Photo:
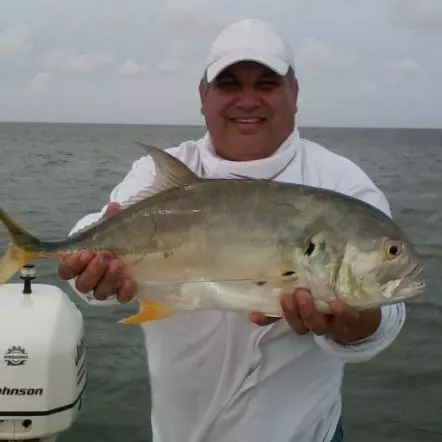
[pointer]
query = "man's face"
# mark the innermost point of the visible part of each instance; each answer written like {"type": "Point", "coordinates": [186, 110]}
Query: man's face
{"type": "Point", "coordinates": [249, 111]}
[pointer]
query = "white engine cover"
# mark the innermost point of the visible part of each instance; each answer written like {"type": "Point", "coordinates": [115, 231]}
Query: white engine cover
{"type": "Point", "coordinates": [42, 361]}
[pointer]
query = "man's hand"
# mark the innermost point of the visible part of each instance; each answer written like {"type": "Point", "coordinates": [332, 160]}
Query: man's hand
{"type": "Point", "coordinates": [101, 273]}
{"type": "Point", "coordinates": [344, 325]}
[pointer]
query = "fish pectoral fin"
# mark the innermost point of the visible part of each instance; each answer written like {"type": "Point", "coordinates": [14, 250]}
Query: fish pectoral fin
{"type": "Point", "coordinates": [149, 311]}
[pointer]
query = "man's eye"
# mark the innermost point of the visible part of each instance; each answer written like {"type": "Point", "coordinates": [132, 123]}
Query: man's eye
{"type": "Point", "coordinates": [268, 84]}
{"type": "Point", "coordinates": [227, 85]}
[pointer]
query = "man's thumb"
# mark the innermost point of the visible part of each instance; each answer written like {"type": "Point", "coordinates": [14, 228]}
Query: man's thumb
{"type": "Point", "coordinates": [112, 209]}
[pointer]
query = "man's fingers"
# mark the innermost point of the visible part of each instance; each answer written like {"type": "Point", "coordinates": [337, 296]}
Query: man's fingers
{"type": "Point", "coordinates": [290, 309]}
{"type": "Point", "coordinates": [345, 317]}
{"type": "Point", "coordinates": [92, 275]}
{"type": "Point", "coordinates": [309, 315]}
{"type": "Point", "coordinates": [347, 325]}
{"type": "Point", "coordinates": [111, 279]}
{"type": "Point", "coordinates": [73, 265]}
{"type": "Point", "coordinates": [126, 291]}
{"type": "Point", "coordinates": [260, 319]}
{"type": "Point", "coordinates": [101, 274]}
{"type": "Point", "coordinates": [112, 209]}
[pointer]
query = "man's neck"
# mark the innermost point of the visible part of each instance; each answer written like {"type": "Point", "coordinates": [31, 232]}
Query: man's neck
{"type": "Point", "coordinates": [267, 167]}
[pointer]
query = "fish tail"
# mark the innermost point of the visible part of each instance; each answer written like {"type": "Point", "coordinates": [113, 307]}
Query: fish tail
{"type": "Point", "coordinates": [23, 249]}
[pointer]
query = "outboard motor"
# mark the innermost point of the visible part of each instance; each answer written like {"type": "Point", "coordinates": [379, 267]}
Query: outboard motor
{"type": "Point", "coordinates": [42, 360]}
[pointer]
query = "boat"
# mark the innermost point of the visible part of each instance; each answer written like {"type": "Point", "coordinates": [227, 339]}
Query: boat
{"type": "Point", "coordinates": [43, 369]}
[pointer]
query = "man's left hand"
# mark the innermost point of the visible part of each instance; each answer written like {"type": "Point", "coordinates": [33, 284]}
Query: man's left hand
{"type": "Point", "coordinates": [343, 325]}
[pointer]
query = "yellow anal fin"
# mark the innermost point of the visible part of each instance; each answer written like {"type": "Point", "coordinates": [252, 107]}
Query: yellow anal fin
{"type": "Point", "coordinates": [149, 311]}
{"type": "Point", "coordinates": [14, 259]}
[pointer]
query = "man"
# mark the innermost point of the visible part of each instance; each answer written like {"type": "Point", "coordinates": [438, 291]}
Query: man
{"type": "Point", "coordinates": [216, 376]}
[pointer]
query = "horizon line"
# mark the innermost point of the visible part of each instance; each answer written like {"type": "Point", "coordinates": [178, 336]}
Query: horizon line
{"type": "Point", "coordinates": [306, 126]}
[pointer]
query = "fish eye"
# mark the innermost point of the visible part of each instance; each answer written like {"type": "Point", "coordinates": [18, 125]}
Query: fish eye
{"type": "Point", "coordinates": [393, 250]}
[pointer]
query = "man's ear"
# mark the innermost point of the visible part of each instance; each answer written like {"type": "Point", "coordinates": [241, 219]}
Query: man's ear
{"type": "Point", "coordinates": [202, 89]}
{"type": "Point", "coordinates": [294, 86]}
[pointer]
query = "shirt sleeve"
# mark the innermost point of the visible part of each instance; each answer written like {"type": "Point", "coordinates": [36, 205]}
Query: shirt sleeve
{"type": "Point", "coordinates": [139, 176]}
{"type": "Point", "coordinates": [359, 185]}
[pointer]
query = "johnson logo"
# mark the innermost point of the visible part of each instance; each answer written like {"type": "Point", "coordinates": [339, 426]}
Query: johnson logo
{"type": "Point", "coordinates": [15, 356]}
{"type": "Point", "coordinates": [7, 391]}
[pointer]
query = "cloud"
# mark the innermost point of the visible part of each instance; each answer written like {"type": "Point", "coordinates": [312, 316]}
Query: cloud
{"type": "Point", "coordinates": [416, 14]}
{"type": "Point", "coordinates": [358, 62]}
{"type": "Point", "coordinates": [406, 69]}
{"type": "Point", "coordinates": [15, 42]}
{"type": "Point", "coordinates": [40, 81]}
{"type": "Point", "coordinates": [315, 55]}
{"type": "Point", "coordinates": [169, 65]}
{"type": "Point", "coordinates": [114, 16]}
{"type": "Point", "coordinates": [131, 67]}
{"type": "Point", "coordinates": [187, 29]}
{"type": "Point", "coordinates": [194, 18]}
{"type": "Point", "coordinates": [368, 88]}
{"type": "Point", "coordinates": [64, 61]}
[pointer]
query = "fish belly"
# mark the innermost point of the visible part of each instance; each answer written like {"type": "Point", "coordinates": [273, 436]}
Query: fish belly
{"type": "Point", "coordinates": [197, 276]}
{"type": "Point", "coordinates": [207, 295]}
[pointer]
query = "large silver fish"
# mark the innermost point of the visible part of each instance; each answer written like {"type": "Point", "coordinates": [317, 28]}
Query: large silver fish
{"type": "Point", "coordinates": [238, 244]}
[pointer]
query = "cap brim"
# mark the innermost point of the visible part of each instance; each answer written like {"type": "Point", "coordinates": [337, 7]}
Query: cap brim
{"type": "Point", "coordinates": [275, 64]}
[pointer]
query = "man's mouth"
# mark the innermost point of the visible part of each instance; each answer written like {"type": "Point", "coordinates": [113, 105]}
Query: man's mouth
{"type": "Point", "coordinates": [254, 120]}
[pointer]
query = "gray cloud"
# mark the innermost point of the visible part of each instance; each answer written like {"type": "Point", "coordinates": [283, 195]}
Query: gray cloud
{"type": "Point", "coordinates": [314, 55]}
{"type": "Point", "coordinates": [132, 67]}
{"type": "Point", "coordinates": [64, 61]}
{"type": "Point", "coordinates": [416, 14]}
{"type": "Point", "coordinates": [364, 63]}
{"type": "Point", "coordinates": [15, 43]}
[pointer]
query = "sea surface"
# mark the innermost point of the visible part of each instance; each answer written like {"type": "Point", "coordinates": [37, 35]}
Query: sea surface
{"type": "Point", "coordinates": [52, 174]}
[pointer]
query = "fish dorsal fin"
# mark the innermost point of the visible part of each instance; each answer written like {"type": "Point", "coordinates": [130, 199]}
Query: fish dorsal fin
{"type": "Point", "coordinates": [170, 173]}
{"type": "Point", "coordinates": [142, 194]}
{"type": "Point", "coordinates": [237, 176]}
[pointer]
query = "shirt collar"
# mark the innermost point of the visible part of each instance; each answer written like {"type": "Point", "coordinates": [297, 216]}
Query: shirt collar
{"type": "Point", "coordinates": [213, 166]}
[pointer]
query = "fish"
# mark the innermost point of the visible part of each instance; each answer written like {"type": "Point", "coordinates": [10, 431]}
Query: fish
{"type": "Point", "coordinates": [238, 244]}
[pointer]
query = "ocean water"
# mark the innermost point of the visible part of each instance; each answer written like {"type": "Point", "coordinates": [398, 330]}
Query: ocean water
{"type": "Point", "coordinates": [52, 174]}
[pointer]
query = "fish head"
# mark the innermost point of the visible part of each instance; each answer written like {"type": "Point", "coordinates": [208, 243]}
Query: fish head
{"type": "Point", "coordinates": [379, 270]}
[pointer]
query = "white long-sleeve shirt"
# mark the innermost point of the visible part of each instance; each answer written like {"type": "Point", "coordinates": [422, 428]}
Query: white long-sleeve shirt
{"type": "Point", "coordinates": [217, 377]}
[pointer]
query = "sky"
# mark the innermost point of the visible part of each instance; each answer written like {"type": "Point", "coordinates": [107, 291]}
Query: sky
{"type": "Point", "coordinates": [366, 63]}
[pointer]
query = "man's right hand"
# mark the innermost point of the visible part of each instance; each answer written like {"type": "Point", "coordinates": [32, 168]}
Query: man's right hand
{"type": "Point", "coordinates": [100, 273]}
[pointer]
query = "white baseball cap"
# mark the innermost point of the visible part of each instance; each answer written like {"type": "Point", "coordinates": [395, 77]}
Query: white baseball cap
{"type": "Point", "coordinates": [252, 40]}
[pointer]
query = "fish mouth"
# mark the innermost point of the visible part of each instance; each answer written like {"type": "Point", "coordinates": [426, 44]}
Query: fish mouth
{"type": "Point", "coordinates": [407, 287]}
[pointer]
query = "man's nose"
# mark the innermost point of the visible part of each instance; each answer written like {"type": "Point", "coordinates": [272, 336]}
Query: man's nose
{"type": "Point", "coordinates": [248, 100]}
